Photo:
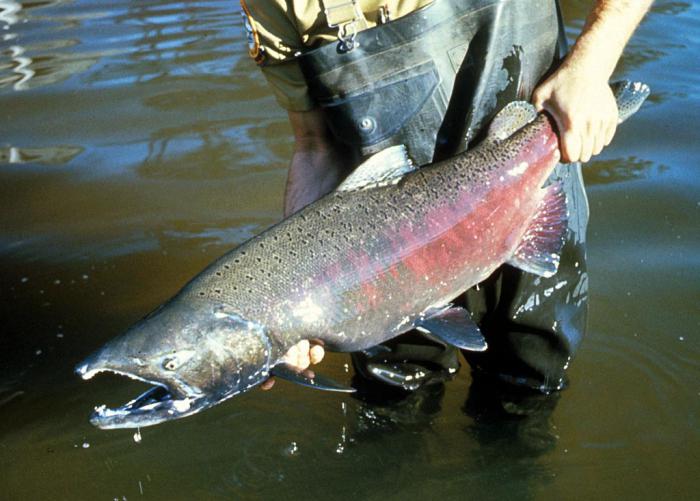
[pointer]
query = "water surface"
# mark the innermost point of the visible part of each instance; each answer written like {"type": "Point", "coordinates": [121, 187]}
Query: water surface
{"type": "Point", "coordinates": [138, 143]}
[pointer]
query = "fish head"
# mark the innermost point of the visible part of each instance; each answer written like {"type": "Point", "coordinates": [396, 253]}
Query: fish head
{"type": "Point", "coordinates": [195, 354]}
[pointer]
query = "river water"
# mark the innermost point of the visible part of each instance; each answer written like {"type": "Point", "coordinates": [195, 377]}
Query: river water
{"type": "Point", "coordinates": [138, 142]}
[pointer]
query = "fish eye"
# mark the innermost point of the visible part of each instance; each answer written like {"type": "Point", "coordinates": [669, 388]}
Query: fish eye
{"type": "Point", "coordinates": [176, 359]}
{"type": "Point", "coordinates": [170, 364]}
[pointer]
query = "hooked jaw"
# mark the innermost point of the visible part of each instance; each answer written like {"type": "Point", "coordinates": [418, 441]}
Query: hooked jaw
{"type": "Point", "coordinates": [194, 355]}
{"type": "Point", "coordinates": [169, 398]}
{"type": "Point", "coordinates": [160, 403]}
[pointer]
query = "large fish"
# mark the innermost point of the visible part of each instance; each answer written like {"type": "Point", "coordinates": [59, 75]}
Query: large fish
{"type": "Point", "coordinates": [383, 254]}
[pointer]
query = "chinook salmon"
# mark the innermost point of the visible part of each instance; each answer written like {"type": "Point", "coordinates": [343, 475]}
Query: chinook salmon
{"type": "Point", "coordinates": [383, 254]}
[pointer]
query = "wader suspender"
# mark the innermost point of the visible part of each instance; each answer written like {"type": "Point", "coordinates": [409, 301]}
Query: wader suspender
{"type": "Point", "coordinates": [562, 43]}
{"type": "Point", "coordinates": [347, 16]}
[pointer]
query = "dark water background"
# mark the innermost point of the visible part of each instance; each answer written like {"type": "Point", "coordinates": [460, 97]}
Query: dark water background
{"type": "Point", "coordinates": [138, 142]}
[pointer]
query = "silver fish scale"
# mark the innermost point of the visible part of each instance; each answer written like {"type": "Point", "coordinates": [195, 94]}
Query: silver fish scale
{"type": "Point", "coordinates": [265, 278]}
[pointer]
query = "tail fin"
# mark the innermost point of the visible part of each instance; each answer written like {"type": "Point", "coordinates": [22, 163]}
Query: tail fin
{"type": "Point", "coordinates": [629, 97]}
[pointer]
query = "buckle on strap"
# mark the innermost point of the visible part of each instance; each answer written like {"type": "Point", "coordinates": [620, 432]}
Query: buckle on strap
{"type": "Point", "coordinates": [347, 16]}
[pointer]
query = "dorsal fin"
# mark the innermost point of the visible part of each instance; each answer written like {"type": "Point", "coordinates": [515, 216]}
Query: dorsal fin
{"type": "Point", "coordinates": [386, 167]}
{"type": "Point", "coordinates": [513, 117]}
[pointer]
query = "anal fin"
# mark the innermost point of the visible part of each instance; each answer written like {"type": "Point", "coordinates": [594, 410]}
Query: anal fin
{"type": "Point", "coordinates": [308, 378]}
{"type": "Point", "coordinates": [454, 326]}
{"type": "Point", "coordinates": [539, 250]}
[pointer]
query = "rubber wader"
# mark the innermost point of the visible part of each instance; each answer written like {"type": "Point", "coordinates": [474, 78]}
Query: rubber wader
{"type": "Point", "coordinates": [432, 80]}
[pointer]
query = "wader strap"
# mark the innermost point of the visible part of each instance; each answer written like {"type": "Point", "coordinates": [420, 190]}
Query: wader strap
{"type": "Point", "coordinates": [347, 16]}
{"type": "Point", "coordinates": [562, 44]}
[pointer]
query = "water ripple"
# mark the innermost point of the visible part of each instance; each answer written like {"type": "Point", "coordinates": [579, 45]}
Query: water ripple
{"type": "Point", "coordinates": [48, 42]}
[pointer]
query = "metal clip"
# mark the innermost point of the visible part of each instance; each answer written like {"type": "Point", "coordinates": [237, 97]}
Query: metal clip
{"type": "Point", "coordinates": [346, 37]}
{"type": "Point", "coordinates": [347, 16]}
{"type": "Point", "coordinates": [384, 16]}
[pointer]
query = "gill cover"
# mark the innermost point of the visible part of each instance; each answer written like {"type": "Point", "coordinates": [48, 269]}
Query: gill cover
{"type": "Point", "coordinates": [196, 354]}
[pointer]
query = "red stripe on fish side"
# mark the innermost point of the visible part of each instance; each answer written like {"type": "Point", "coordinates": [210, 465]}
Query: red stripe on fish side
{"type": "Point", "coordinates": [368, 274]}
{"type": "Point", "coordinates": [462, 244]}
{"type": "Point", "coordinates": [478, 235]}
{"type": "Point", "coordinates": [486, 235]}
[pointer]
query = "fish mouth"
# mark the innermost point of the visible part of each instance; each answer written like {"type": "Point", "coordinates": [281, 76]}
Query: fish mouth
{"type": "Point", "coordinates": [160, 403]}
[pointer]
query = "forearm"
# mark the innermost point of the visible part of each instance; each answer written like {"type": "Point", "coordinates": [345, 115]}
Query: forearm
{"type": "Point", "coordinates": [577, 95]}
{"type": "Point", "coordinates": [313, 172]}
{"type": "Point", "coordinates": [317, 166]}
{"type": "Point", "coordinates": [607, 30]}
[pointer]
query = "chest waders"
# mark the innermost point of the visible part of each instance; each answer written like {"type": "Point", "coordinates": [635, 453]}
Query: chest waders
{"type": "Point", "coordinates": [432, 80]}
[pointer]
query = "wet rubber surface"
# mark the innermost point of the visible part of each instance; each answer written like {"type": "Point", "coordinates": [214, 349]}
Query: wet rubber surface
{"type": "Point", "coordinates": [138, 143]}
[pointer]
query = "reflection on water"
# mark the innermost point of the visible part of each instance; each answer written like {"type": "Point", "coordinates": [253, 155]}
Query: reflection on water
{"type": "Point", "coordinates": [8, 12]}
{"type": "Point", "coordinates": [138, 143]}
{"type": "Point", "coordinates": [8, 393]}
{"type": "Point", "coordinates": [621, 169]}
{"type": "Point", "coordinates": [21, 68]}
{"type": "Point", "coordinates": [55, 155]}
{"type": "Point", "coordinates": [27, 63]}
{"type": "Point", "coordinates": [503, 417]}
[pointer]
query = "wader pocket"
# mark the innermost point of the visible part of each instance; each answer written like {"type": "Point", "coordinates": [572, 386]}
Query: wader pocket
{"type": "Point", "coordinates": [379, 110]}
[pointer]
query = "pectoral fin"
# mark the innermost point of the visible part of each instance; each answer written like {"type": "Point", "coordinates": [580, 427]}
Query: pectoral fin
{"type": "Point", "coordinates": [540, 248]}
{"type": "Point", "coordinates": [454, 326]}
{"type": "Point", "coordinates": [290, 373]}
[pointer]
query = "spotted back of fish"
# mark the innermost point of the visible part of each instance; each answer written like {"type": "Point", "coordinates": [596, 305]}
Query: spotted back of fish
{"type": "Point", "coordinates": [321, 251]}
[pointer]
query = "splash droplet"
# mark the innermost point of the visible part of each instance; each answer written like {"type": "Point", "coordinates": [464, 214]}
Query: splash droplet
{"type": "Point", "coordinates": [292, 449]}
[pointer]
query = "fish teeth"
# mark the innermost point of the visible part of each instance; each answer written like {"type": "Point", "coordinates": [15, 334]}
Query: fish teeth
{"type": "Point", "coordinates": [90, 374]}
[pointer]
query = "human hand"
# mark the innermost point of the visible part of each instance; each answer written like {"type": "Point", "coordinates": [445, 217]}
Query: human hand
{"type": "Point", "coordinates": [584, 109]}
{"type": "Point", "coordinates": [300, 356]}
